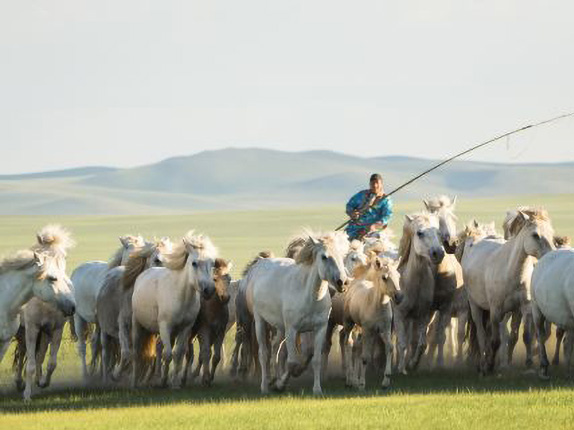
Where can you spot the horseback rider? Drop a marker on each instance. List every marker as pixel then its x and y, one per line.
pixel 369 210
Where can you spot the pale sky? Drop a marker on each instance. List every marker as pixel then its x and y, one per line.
pixel 131 82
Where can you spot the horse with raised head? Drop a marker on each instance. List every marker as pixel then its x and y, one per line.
pixel 292 296
pixel 88 279
pixel 39 272
pixel 497 275
pixel 166 302
pixel 443 207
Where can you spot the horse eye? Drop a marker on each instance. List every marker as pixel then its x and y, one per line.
pixel 51 278
pixel 324 257
pixel 535 235
pixel 420 233
pixel 194 264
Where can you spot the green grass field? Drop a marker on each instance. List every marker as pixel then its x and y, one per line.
pixel 430 399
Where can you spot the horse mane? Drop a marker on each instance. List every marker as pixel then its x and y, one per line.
pixel 336 242
pixel 54 239
pixel 116 259
pixel 136 264
pixel 189 243
pixel 294 246
pixel 21 260
pixel 260 256
pixel 513 223
pixel 222 266
pixel 434 204
pixel 562 241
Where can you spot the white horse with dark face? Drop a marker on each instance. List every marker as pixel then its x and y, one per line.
pixel 38 272
pixel 292 297
pixel 88 279
pixel 553 300
pixel 166 301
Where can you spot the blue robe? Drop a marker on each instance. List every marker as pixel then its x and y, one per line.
pixel 380 212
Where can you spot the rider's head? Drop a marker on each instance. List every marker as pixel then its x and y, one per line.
pixel 376 184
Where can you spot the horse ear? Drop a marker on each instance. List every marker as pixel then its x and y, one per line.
pixel 123 240
pixel 230 265
pixel 378 263
pixel 408 218
pixel 313 240
pixel 426 203
pixel 38 259
pixel 475 223
pixel 524 215
pixel 40 238
pixel 453 202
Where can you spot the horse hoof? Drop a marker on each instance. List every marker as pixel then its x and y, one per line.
pixel 20 385
pixel 43 384
pixel 529 372
pixel 317 392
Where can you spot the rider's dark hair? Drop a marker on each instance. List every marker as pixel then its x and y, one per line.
pixel 376 177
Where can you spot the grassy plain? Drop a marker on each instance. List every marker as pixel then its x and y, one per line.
pixel 430 399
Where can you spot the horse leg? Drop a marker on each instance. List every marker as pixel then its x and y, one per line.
pixel 205 357
pixel 478 318
pixel 261 333
pixel 138 335
pixel 81 327
pixel 277 362
pixel 559 336
pixel 19 356
pixel 443 320
pixel 293 363
pixel 41 350
pixel 421 343
pixel 53 360
pixel 568 352
pixel 105 348
pixel 513 336
pixel 327 348
pixel 217 353
pixel 386 336
pixel 125 351
pixel 365 358
pixel 433 335
pixel 346 352
pixel 539 330
pixel 181 347
pixel 527 334
pixel 502 354
pixel 462 322
pixel 32 333
pixel 401 336
pixel 496 318
pixel 317 360
pixel 236 350
pixel 96 349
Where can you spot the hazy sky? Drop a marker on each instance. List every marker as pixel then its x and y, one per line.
pixel 125 83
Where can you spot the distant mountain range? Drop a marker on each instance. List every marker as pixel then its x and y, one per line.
pixel 257 178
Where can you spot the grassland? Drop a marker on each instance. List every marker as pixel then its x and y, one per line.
pixel 431 399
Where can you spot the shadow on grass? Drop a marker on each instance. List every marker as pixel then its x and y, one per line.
pixel 64 398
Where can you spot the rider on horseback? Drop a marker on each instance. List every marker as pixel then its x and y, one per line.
pixel 369 210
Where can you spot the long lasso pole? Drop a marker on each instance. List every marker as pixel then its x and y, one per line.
pixel 480 145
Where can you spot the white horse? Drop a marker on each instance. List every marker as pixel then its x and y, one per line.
pixel 166 301
pixel 114 303
pixel 292 296
pixel 496 273
pixel 443 207
pixel 368 305
pixel 38 272
pixel 88 279
pixel 429 279
pixel 553 300
pixel 43 324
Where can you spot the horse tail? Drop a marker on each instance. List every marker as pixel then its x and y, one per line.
pixel 20 350
pixel 72 325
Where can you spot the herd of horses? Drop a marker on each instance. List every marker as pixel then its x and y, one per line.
pixel 390 305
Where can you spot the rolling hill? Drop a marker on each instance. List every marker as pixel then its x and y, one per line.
pixel 236 179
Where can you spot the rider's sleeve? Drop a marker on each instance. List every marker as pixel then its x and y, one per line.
pixel 354 203
pixel 386 211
